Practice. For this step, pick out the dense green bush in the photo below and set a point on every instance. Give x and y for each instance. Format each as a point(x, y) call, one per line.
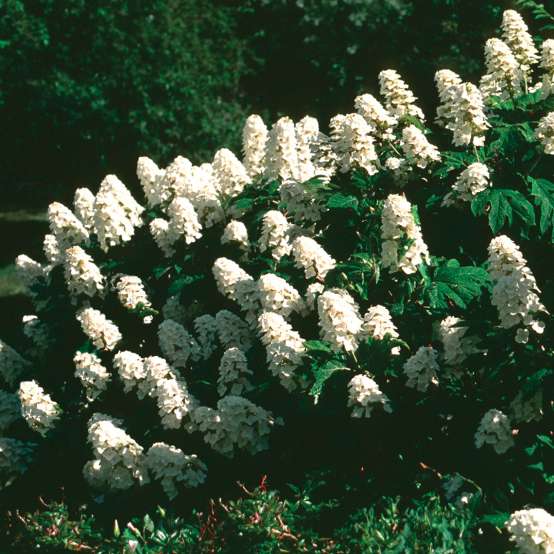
point(376, 301)
point(84, 88)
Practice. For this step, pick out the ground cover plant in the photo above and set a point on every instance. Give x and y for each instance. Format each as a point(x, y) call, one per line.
point(372, 297)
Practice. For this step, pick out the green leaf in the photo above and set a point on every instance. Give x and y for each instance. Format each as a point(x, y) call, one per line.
point(458, 285)
point(322, 374)
point(498, 520)
point(543, 192)
point(342, 201)
point(317, 346)
point(503, 203)
point(181, 282)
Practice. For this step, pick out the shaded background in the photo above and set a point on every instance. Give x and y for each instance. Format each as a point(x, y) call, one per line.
point(85, 90)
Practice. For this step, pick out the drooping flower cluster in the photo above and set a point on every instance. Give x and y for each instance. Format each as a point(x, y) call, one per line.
point(456, 345)
point(399, 99)
point(380, 120)
point(83, 206)
point(82, 275)
point(235, 232)
point(236, 424)
point(275, 234)
point(446, 81)
point(547, 63)
point(378, 323)
point(229, 173)
point(545, 132)
point(312, 258)
point(504, 76)
point(65, 226)
point(174, 469)
point(177, 344)
point(397, 226)
point(254, 140)
point(37, 408)
point(417, 149)
point(364, 396)
point(103, 333)
point(232, 281)
point(285, 348)
point(281, 155)
point(516, 35)
point(93, 375)
point(422, 369)
point(307, 134)
point(233, 331)
point(131, 293)
point(276, 295)
point(119, 460)
point(150, 176)
point(515, 291)
point(183, 220)
point(339, 319)
point(532, 531)
point(233, 373)
point(475, 178)
point(495, 429)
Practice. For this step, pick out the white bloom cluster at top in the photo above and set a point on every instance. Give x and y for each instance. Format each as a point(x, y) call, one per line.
point(276, 295)
point(475, 178)
point(516, 35)
point(397, 225)
point(311, 257)
point(545, 132)
point(10, 409)
point(51, 249)
point(532, 531)
point(66, 228)
point(131, 293)
point(82, 275)
point(12, 364)
point(504, 76)
point(119, 460)
point(233, 372)
point(37, 408)
point(446, 81)
point(378, 323)
point(339, 319)
point(103, 333)
point(229, 173)
point(116, 213)
point(254, 141)
point(93, 375)
point(417, 149)
point(364, 396)
point(399, 99)
point(495, 430)
point(183, 220)
point(130, 368)
point(515, 290)
point(456, 346)
point(422, 369)
point(150, 175)
point(380, 120)
point(275, 234)
point(353, 143)
point(547, 63)
point(281, 155)
point(172, 467)
point(235, 231)
point(307, 135)
point(285, 348)
point(237, 423)
point(83, 206)
point(234, 283)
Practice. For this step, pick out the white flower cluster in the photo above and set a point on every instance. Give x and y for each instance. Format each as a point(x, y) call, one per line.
point(93, 375)
point(275, 234)
point(205, 328)
point(65, 226)
point(229, 173)
point(119, 460)
point(417, 149)
point(422, 369)
point(547, 63)
point(172, 398)
point(116, 213)
point(82, 275)
point(380, 120)
point(131, 293)
point(254, 141)
point(301, 204)
point(37, 408)
point(378, 323)
point(339, 319)
point(12, 364)
point(446, 81)
point(495, 430)
point(281, 155)
point(10, 409)
point(276, 295)
point(183, 220)
point(51, 249)
point(532, 531)
point(456, 345)
point(176, 179)
point(516, 35)
point(233, 372)
point(312, 258)
point(173, 468)
point(475, 178)
point(233, 331)
point(545, 132)
point(364, 396)
point(236, 424)
point(307, 135)
point(150, 175)
point(177, 344)
point(399, 99)
point(234, 283)
point(163, 235)
point(285, 348)
point(353, 143)
point(15, 458)
point(515, 291)
point(235, 232)
point(397, 225)
point(504, 76)
point(83, 206)
point(103, 333)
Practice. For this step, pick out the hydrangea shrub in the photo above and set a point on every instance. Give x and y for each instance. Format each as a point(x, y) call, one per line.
point(389, 278)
